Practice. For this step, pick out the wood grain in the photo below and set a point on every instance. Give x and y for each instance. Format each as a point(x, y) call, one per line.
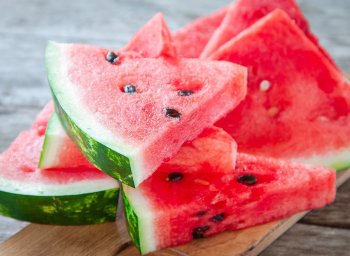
point(112, 239)
point(308, 240)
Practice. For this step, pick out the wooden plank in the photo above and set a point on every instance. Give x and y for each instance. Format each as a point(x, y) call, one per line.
point(309, 240)
point(110, 239)
point(106, 239)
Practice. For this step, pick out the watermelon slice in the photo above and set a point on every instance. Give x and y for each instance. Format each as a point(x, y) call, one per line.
point(153, 39)
point(72, 196)
point(199, 193)
point(299, 108)
point(244, 13)
point(130, 116)
point(191, 39)
point(58, 150)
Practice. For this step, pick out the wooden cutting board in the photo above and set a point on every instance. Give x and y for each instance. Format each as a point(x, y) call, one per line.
point(112, 239)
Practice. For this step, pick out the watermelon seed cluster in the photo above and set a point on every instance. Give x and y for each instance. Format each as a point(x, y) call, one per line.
point(112, 57)
point(172, 113)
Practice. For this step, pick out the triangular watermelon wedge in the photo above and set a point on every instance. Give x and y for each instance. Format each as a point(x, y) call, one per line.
point(191, 39)
point(153, 39)
point(298, 104)
point(130, 116)
point(199, 193)
point(243, 13)
point(70, 196)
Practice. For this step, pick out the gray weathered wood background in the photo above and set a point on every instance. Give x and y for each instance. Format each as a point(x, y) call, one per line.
point(25, 27)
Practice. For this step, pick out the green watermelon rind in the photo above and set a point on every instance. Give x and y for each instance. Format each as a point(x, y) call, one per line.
point(111, 162)
point(140, 219)
point(81, 209)
point(132, 221)
point(103, 157)
point(341, 166)
point(338, 160)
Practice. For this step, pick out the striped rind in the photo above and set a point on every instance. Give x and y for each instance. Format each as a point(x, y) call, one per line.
point(132, 222)
point(104, 158)
point(81, 209)
point(140, 220)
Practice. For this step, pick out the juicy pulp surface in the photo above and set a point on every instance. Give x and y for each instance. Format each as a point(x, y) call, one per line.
point(206, 202)
point(243, 13)
point(191, 39)
point(297, 104)
point(89, 92)
point(61, 196)
point(153, 39)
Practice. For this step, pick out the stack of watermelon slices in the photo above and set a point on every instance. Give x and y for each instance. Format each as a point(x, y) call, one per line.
point(144, 115)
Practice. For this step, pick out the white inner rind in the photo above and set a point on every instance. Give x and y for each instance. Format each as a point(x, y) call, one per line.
point(58, 65)
point(145, 215)
point(335, 159)
point(44, 189)
point(55, 137)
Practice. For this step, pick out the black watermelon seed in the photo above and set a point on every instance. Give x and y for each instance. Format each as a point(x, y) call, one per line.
point(197, 235)
point(185, 93)
point(247, 179)
point(199, 232)
point(129, 88)
point(172, 113)
point(175, 176)
point(201, 213)
point(219, 217)
point(112, 57)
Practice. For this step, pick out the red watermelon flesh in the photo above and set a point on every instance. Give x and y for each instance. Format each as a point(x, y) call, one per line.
point(191, 39)
point(169, 209)
point(153, 39)
point(298, 105)
point(244, 13)
point(144, 128)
